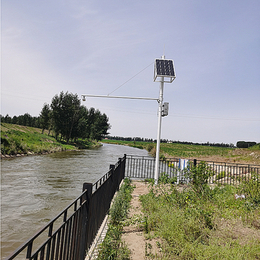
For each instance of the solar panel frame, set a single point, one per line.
(164, 68)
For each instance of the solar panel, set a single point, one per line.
(164, 68)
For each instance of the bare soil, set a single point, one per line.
(133, 235)
(237, 230)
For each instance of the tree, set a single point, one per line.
(101, 126)
(27, 119)
(36, 122)
(65, 110)
(45, 117)
(14, 120)
(90, 123)
(243, 144)
(80, 129)
(7, 119)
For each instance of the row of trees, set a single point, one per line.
(167, 141)
(67, 118)
(137, 139)
(26, 120)
(244, 144)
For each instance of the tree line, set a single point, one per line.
(67, 118)
(244, 144)
(26, 120)
(167, 141)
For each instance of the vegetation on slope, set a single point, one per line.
(176, 150)
(16, 139)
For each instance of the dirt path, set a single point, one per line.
(133, 235)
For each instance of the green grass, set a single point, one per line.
(112, 246)
(177, 150)
(17, 139)
(255, 147)
(204, 225)
(183, 150)
(174, 150)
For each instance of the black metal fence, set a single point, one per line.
(70, 234)
(224, 173)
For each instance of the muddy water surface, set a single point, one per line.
(34, 189)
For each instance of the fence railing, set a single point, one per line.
(224, 173)
(70, 234)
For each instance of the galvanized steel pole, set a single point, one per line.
(160, 101)
(156, 173)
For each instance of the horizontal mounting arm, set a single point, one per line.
(103, 96)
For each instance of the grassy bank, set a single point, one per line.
(17, 139)
(192, 223)
(235, 155)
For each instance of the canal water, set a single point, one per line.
(34, 189)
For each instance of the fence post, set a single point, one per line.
(87, 186)
(112, 167)
(119, 173)
(195, 162)
(124, 163)
(85, 232)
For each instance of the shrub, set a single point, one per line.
(149, 147)
(153, 152)
(199, 175)
(164, 179)
(251, 188)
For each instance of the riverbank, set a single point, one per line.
(17, 141)
(208, 153)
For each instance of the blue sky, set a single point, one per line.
(94, 47)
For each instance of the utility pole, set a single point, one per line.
(163, 68)
(159, 129)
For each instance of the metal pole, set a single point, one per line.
(156, 173)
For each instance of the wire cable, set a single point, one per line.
(130, 79)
